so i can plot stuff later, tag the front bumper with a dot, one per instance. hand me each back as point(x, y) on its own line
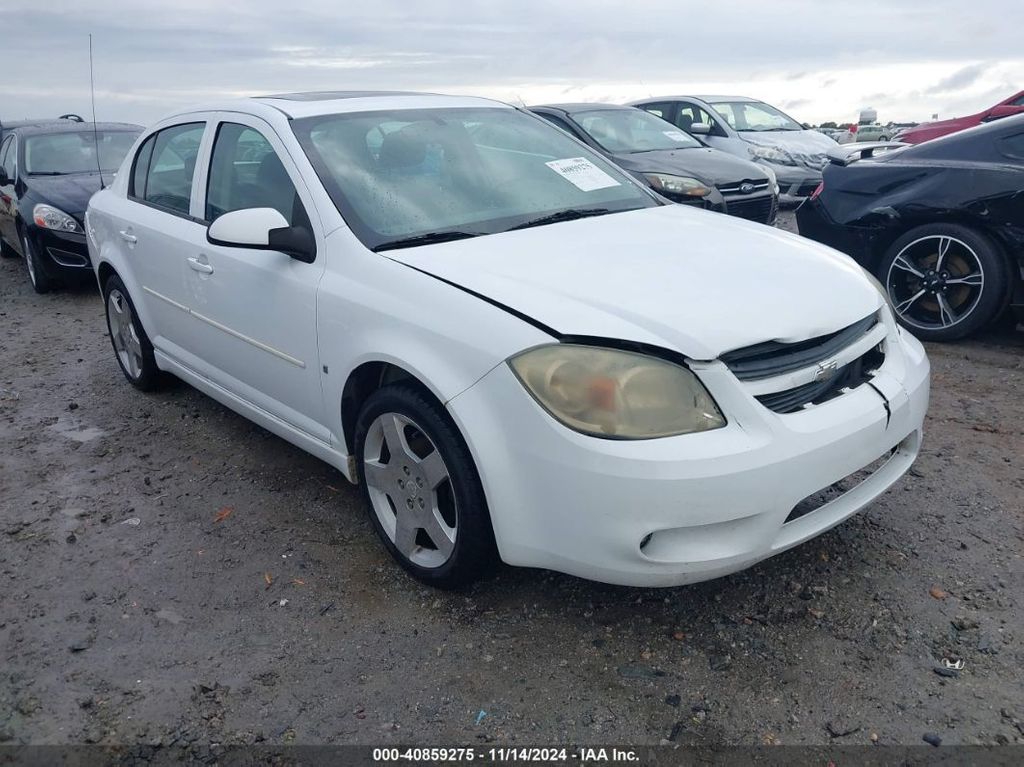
point(62, 255)
point(796, 182)
point(712, 503)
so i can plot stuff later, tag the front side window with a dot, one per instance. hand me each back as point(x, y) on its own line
point(754, 116)
point(59, 154)
point(165, 165)
point(246, 172)
point(632, 130)
point(403, 174)
point(690, 114)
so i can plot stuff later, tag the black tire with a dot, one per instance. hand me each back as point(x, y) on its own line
point(149, 376)
point(41, 282)
point(474, 552)
point(945, 311)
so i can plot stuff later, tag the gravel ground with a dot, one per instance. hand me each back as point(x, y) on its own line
point(173, 574)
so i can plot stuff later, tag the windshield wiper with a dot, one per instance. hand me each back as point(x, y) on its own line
point(563, 215)
point(424, 239)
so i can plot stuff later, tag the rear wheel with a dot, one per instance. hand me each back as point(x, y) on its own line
point(422, 488)
point(945, 281)
point(132, 347)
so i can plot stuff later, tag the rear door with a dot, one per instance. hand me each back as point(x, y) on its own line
point(254, 311)
point(153, 229)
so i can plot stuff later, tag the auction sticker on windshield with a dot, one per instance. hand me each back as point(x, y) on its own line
point(582, 173)
point(675, 135)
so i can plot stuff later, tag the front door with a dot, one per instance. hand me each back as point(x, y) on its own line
point(254, 311)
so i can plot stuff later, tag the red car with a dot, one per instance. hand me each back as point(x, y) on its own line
point(927, 131)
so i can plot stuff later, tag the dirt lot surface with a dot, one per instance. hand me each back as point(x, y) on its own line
point(172, 574)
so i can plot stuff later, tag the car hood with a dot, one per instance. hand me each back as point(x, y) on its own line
point(801, 144)
point(70, 193)
point(696, 282)
point(708, 165)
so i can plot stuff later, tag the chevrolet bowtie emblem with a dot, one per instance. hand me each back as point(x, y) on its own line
point(826, 370)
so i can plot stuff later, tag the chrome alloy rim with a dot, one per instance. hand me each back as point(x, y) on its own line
point(123, 333)
point(29, 261)
point(410, 490)
point(935, 282)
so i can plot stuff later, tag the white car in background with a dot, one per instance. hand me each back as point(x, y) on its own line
point(753, 130)
point(517, 350)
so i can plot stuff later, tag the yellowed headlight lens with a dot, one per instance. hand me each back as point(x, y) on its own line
point(619, 394)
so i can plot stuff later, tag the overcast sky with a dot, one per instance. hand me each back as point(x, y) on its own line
point(816, 59)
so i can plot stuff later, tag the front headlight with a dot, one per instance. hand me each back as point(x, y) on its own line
point(49, 217)
point(617, 394)
point(690, 187)
point(770, 154)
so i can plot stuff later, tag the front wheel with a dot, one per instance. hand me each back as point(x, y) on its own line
point(944, 281)
point(424, 495)
point(132, 347)
point(41, 281)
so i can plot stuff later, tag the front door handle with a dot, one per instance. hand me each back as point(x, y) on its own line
point(128, 237)
point(200, 266)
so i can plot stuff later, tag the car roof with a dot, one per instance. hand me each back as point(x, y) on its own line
point(37, 127)
point(708, 99)
point(311, 104)
point(581, 106)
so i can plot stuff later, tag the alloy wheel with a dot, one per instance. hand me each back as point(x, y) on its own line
point(410, 490)
point(30, 261)
point(935, 282)
point(126, 340)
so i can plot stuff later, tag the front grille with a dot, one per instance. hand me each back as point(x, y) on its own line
point(756, 186)
point(815, 501)
point(850, 376)
point(759, 209)
point(773, 358)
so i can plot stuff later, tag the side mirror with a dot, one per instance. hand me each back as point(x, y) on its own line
point(262, 229)
point(699, 129)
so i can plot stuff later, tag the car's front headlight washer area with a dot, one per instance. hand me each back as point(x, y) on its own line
point(616, 394)
point(49, 217)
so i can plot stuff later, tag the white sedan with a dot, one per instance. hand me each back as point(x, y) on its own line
point(516, 350)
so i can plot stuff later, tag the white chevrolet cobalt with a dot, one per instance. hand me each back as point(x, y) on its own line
point(516, 350)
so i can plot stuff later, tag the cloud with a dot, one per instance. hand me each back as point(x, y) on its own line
point(960, 79)
point(154, 56)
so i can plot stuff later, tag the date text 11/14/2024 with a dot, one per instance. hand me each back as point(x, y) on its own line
point(505, 754)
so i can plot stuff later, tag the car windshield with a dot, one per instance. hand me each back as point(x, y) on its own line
point(632, 130)
point(408, 177)
point(754, 116)
point(75, 151)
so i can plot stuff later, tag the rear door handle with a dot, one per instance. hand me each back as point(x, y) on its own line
point(200, 266)
point(128, 237)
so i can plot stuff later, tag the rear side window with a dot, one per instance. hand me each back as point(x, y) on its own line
point(165, 165)
point(245, 172)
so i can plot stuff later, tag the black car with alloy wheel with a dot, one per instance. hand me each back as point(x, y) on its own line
point(48, 171)
point(941, 224)
point(671, 161)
